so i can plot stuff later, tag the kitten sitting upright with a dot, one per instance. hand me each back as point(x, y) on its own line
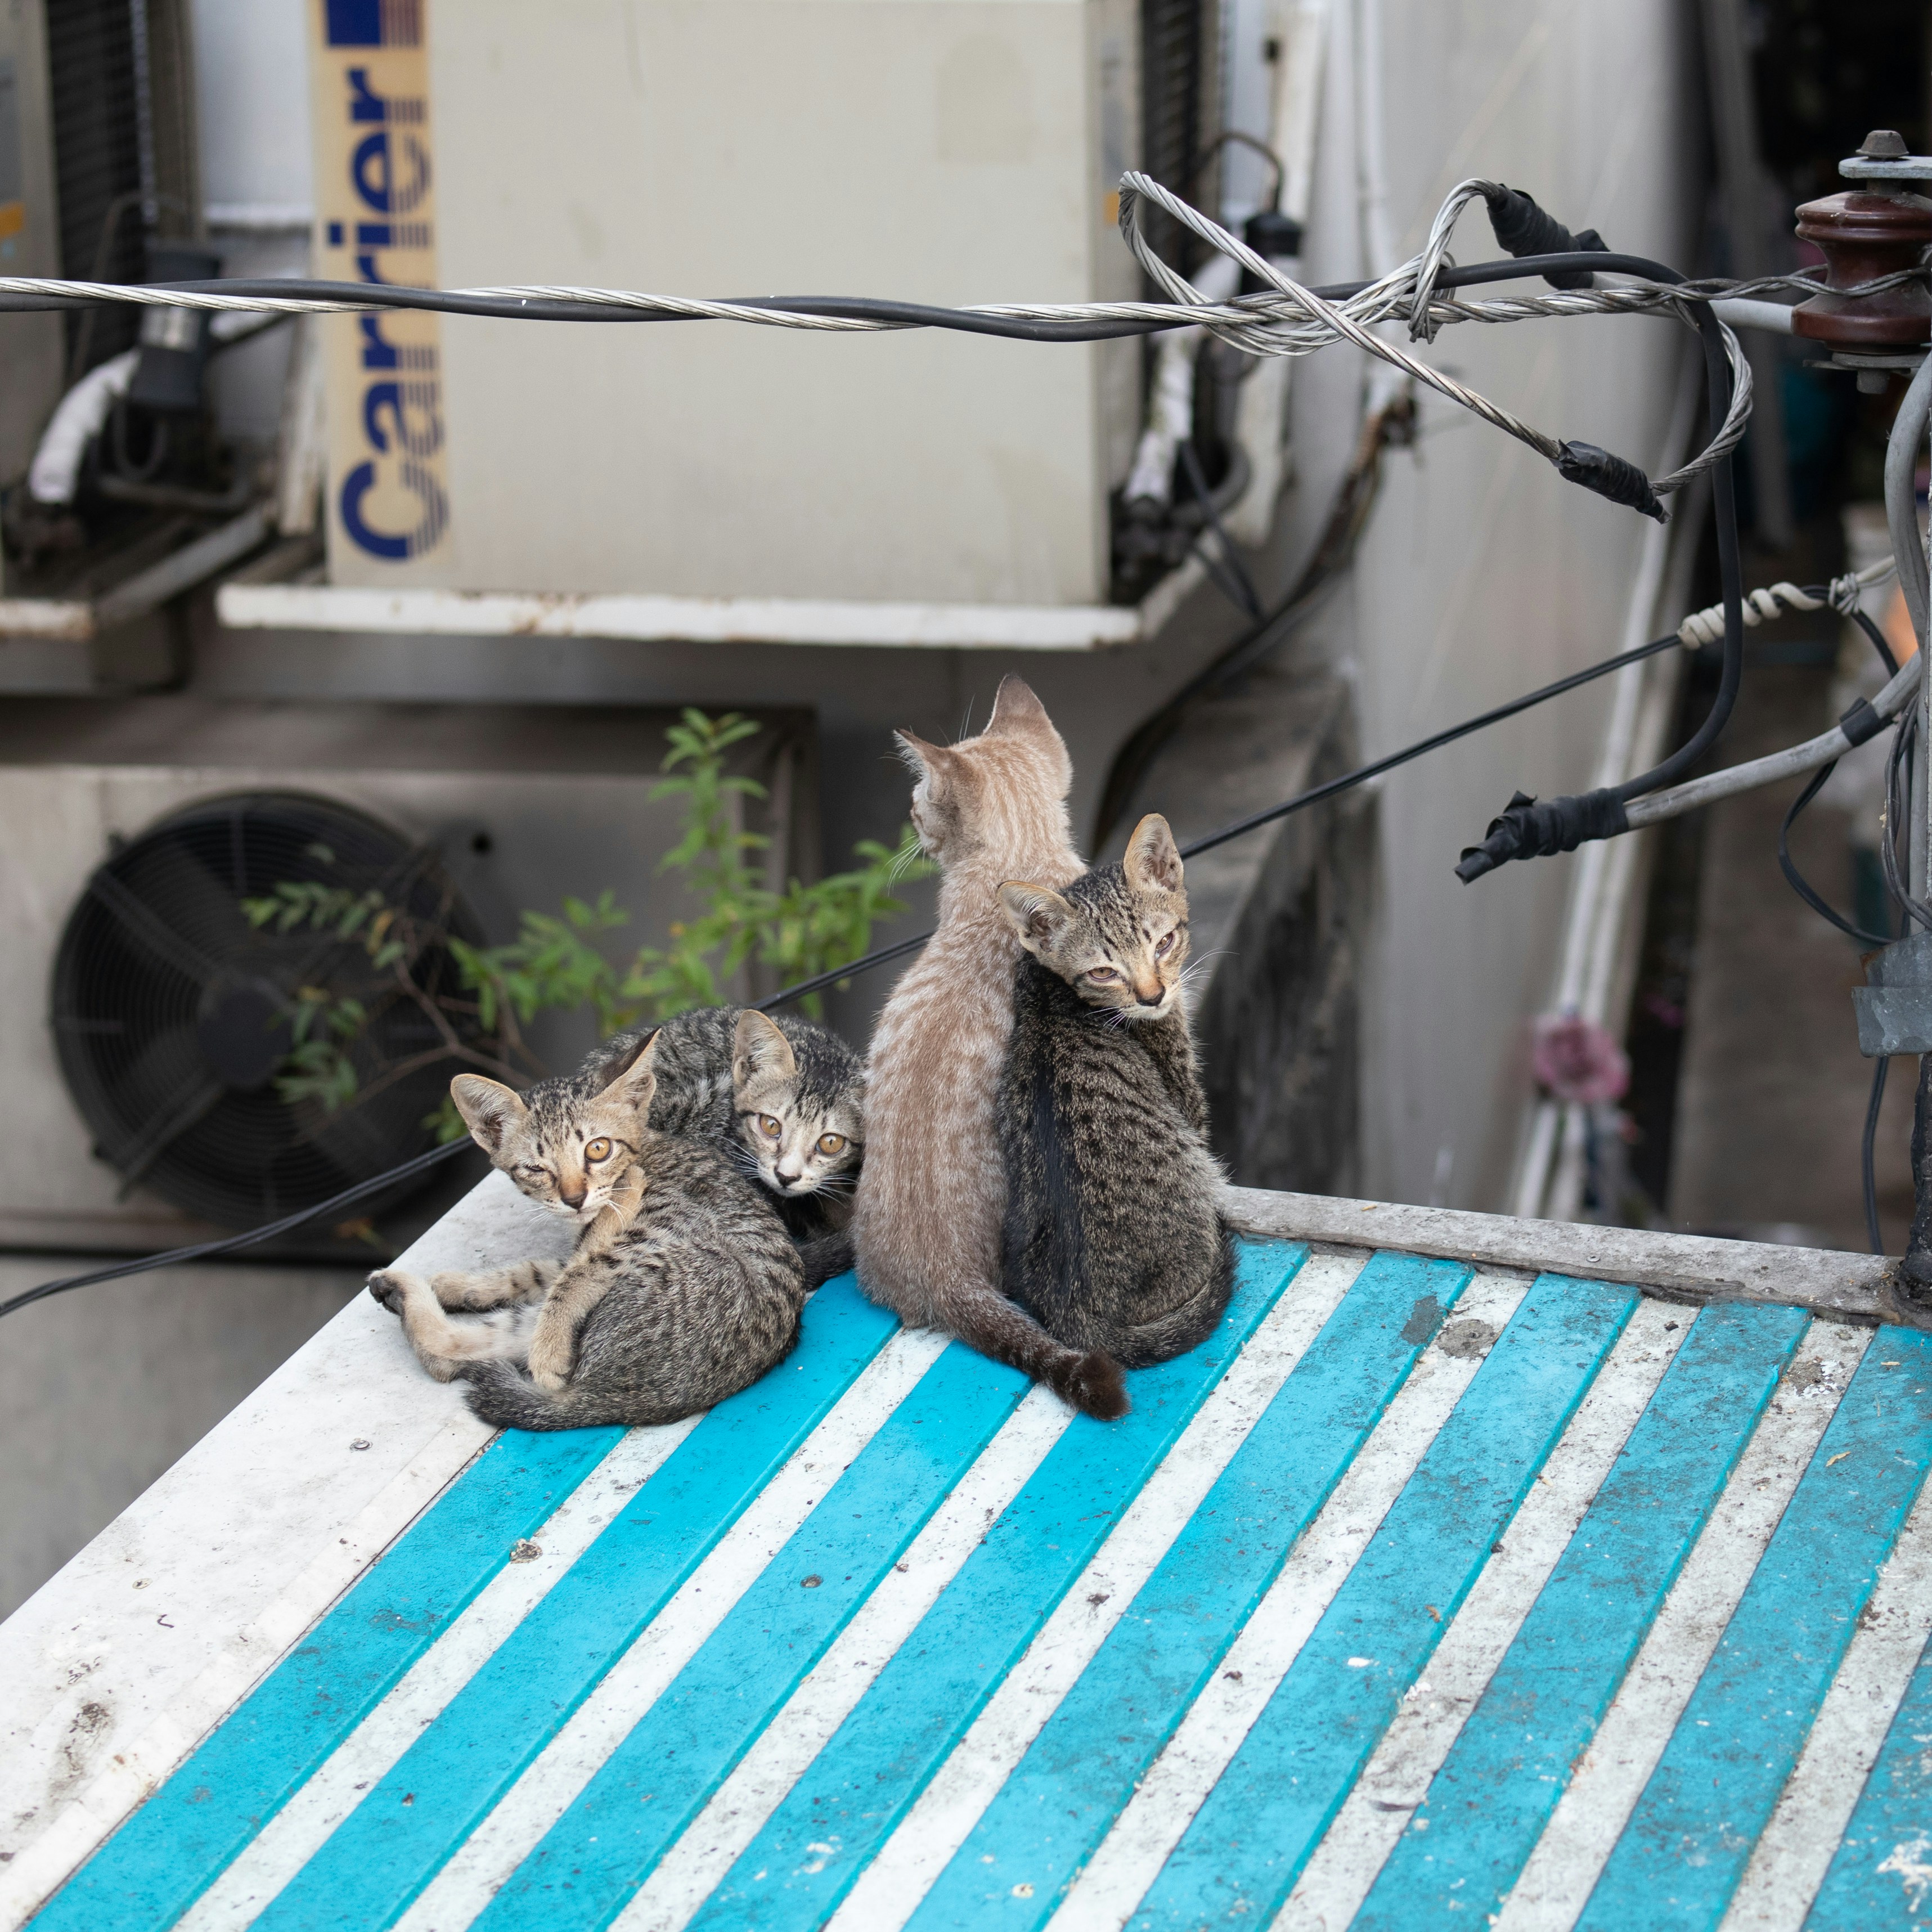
point(926, 1223)
point(1114, 1237)
point(683, 1288)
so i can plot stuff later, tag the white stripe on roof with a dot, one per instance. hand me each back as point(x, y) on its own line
point(1591, 1814)
point(1150, 1827)
point(466, 1884)
point(1377, 1810)
point(893, 1885)
point(303, 1825)
point(694, 1864)
point(1793, 1855)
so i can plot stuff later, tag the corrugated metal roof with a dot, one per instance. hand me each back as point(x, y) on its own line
point(1429, 1592)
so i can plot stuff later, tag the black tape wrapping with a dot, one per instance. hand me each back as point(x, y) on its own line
point(1623, 482)
point(1860, 723)
point(1522, 228)
point(1530, 830)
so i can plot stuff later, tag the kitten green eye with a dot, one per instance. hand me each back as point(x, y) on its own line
point(832, 1143)
point(1101, 975)
point(598, 1150)
point(769, 1127)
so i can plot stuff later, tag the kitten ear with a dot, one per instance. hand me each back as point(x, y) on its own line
point(758, 1047)
point(1016, 710)
point(1152, 861)
point(921, 759)
point(632, 1084)
point(489, 1109)
point(1037, 915)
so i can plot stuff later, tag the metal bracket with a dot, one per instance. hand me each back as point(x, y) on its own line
point(1894, 1005)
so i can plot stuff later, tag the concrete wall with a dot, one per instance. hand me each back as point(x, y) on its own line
point(1482, 574)
point(103, 1389)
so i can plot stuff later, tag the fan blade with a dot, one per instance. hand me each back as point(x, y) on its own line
point(141, 923)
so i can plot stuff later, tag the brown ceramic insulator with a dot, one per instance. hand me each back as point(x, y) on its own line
point(1863, 236)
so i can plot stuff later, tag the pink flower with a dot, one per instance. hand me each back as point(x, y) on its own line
point(1575, 1059)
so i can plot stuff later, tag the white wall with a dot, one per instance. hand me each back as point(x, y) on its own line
point(251, 83)
point(1482, 574)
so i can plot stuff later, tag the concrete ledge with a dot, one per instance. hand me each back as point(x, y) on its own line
point(1683, 1267)
point(119, 1664)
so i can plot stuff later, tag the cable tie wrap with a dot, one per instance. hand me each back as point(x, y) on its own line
point(1860, 723)
point(1612, 476)
point(1522, 228)
point(1529, 830)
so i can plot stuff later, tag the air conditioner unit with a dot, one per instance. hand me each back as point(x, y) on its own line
point(30, 345)
point(960, 152)
point(136, 1002)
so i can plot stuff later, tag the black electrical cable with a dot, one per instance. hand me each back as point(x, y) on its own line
point(1877, 637)
point(234, 1243)
point(1318, 792)
point(853, 308)
point(1796, 880)
point(1903, 745)
point(1238, 587)
point(1867, 1165)
point(1792, 876)
point(1529, 828)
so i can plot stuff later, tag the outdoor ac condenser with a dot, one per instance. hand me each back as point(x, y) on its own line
point(31, 347)
point(944, 151)
point(516, 812)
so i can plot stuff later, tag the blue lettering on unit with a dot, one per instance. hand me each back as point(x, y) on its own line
point(421, 485)
point(424, 438)
point(365, 103)
point(374, 171)
point(335, 235)
point(354, 23)
point(377, 354)
point(370, 170)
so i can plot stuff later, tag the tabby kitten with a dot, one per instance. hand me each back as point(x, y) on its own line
point(1114, 1236)
point(931, 1195)
point(782, 1098)
point(683, 1287)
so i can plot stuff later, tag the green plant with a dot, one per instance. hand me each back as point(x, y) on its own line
point(557, 962)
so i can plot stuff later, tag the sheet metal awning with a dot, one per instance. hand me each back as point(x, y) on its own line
point(1433, 1592)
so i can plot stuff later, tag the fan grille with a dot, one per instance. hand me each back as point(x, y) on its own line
point(171, 1013)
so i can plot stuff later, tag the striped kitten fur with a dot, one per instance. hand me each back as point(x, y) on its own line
point(926, 1230)
point(683, 1287)
point(1113, 1234)
point(781, 1099)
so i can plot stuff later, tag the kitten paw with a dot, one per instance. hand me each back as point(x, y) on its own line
point(550, 1363)
point(389, 1287)
point(1095, 1387)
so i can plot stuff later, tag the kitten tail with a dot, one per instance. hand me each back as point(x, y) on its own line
point(505, 1398)
point(984, 1319)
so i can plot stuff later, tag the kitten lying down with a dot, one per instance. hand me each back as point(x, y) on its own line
point(684, 1286)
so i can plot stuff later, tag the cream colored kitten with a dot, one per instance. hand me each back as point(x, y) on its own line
point(932, 1192)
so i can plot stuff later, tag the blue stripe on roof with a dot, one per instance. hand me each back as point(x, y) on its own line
point(1247, 1844)
point(665, 1772)
point(1489, 1802)
point(867, 1777)
point(386, 1851)
point(1882, 1873)
point(1687, 1844)
point(172, 1849)
point(1080, 1773)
